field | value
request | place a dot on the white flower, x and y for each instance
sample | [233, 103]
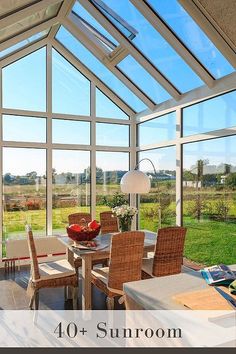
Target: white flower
[125, 211]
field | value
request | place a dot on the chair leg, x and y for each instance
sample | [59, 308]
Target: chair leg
[36, 300]
[31, 301]
[75, 298]
[110, 303]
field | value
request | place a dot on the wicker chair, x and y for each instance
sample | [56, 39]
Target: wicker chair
[125, 265]
[77, 217]
[49, 275]
[168, 255]
[109, 222]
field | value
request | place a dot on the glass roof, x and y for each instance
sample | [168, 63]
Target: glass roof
[116, 60]
[155, 47]
[192, 36]
[81, 12]
[99, 69]
[23, 43]
[143, 79]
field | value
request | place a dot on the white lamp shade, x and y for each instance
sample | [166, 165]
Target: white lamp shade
[135, 182]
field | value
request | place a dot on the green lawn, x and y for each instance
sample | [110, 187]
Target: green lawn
[208, 242]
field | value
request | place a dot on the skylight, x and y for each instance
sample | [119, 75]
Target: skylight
[143, 79]
[83, 14]
[154, 46]
[192, 36]
[99, 69]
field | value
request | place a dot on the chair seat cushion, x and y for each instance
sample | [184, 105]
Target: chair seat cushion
[57, 269]
[147, 265]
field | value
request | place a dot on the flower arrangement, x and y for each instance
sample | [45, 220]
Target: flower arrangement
[125, 214]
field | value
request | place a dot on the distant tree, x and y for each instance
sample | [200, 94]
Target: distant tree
[231, 180]
[7, 178]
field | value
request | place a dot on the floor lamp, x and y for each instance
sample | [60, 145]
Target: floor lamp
[137, 182]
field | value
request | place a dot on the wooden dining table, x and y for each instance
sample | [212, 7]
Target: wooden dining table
[103, 251]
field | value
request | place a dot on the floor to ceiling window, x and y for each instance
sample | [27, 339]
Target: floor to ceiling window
[49, 140]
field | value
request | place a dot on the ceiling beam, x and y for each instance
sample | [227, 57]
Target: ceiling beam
[173, 40]
[223, 85]
[28, 33]
[63, 12]
[147, 65]
[81, 33]
[210, 30]
[92, 77]
[26, 12]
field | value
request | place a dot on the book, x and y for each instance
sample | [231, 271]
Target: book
[218, 275]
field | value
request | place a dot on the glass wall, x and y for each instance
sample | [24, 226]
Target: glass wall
[70, 185]
[24, 191]
[157, 208]
[46, 156]
[157, 130]
[110, 167]
[209, 196]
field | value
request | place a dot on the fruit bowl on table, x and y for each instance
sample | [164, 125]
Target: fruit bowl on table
[77, 233]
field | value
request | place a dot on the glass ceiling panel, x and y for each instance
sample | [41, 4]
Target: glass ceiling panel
[143, 79]
[23, 43]
[192, 36]
[80, 11]
[155, 47]
[29, 22]
[100, 70]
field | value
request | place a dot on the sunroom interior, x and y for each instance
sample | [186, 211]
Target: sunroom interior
[91, 89]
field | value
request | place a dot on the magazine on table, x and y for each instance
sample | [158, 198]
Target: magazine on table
[218, 275]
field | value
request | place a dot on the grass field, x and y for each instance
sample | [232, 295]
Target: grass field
[207, 241]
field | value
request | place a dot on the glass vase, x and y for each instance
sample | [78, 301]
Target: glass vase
[125, 224]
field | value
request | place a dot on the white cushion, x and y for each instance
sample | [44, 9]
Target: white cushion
[57, 269]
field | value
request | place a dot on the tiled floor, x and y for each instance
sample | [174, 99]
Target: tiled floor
[13, 294]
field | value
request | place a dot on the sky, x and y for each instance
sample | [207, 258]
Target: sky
[24, 87]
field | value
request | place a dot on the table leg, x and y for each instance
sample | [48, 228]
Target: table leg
[86, 282]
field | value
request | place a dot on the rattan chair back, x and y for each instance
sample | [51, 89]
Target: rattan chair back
[168, 256]
[33, 255]
[109, 222]
[126, 258]
[78, 218]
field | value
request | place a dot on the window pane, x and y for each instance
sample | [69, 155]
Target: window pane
[100, 70]
[192, 36]
[111, 166]
[157, 130]
[213, 114]
[70, 89]
[19, 128]
[80, 11]
[105, 108]
[157, 208]
[155, 47]
[24, 191]
[70, 132]
[112, 134]
[23, 43]
[209, 183]
[143, 79]
[71, 186]
[24, 83]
